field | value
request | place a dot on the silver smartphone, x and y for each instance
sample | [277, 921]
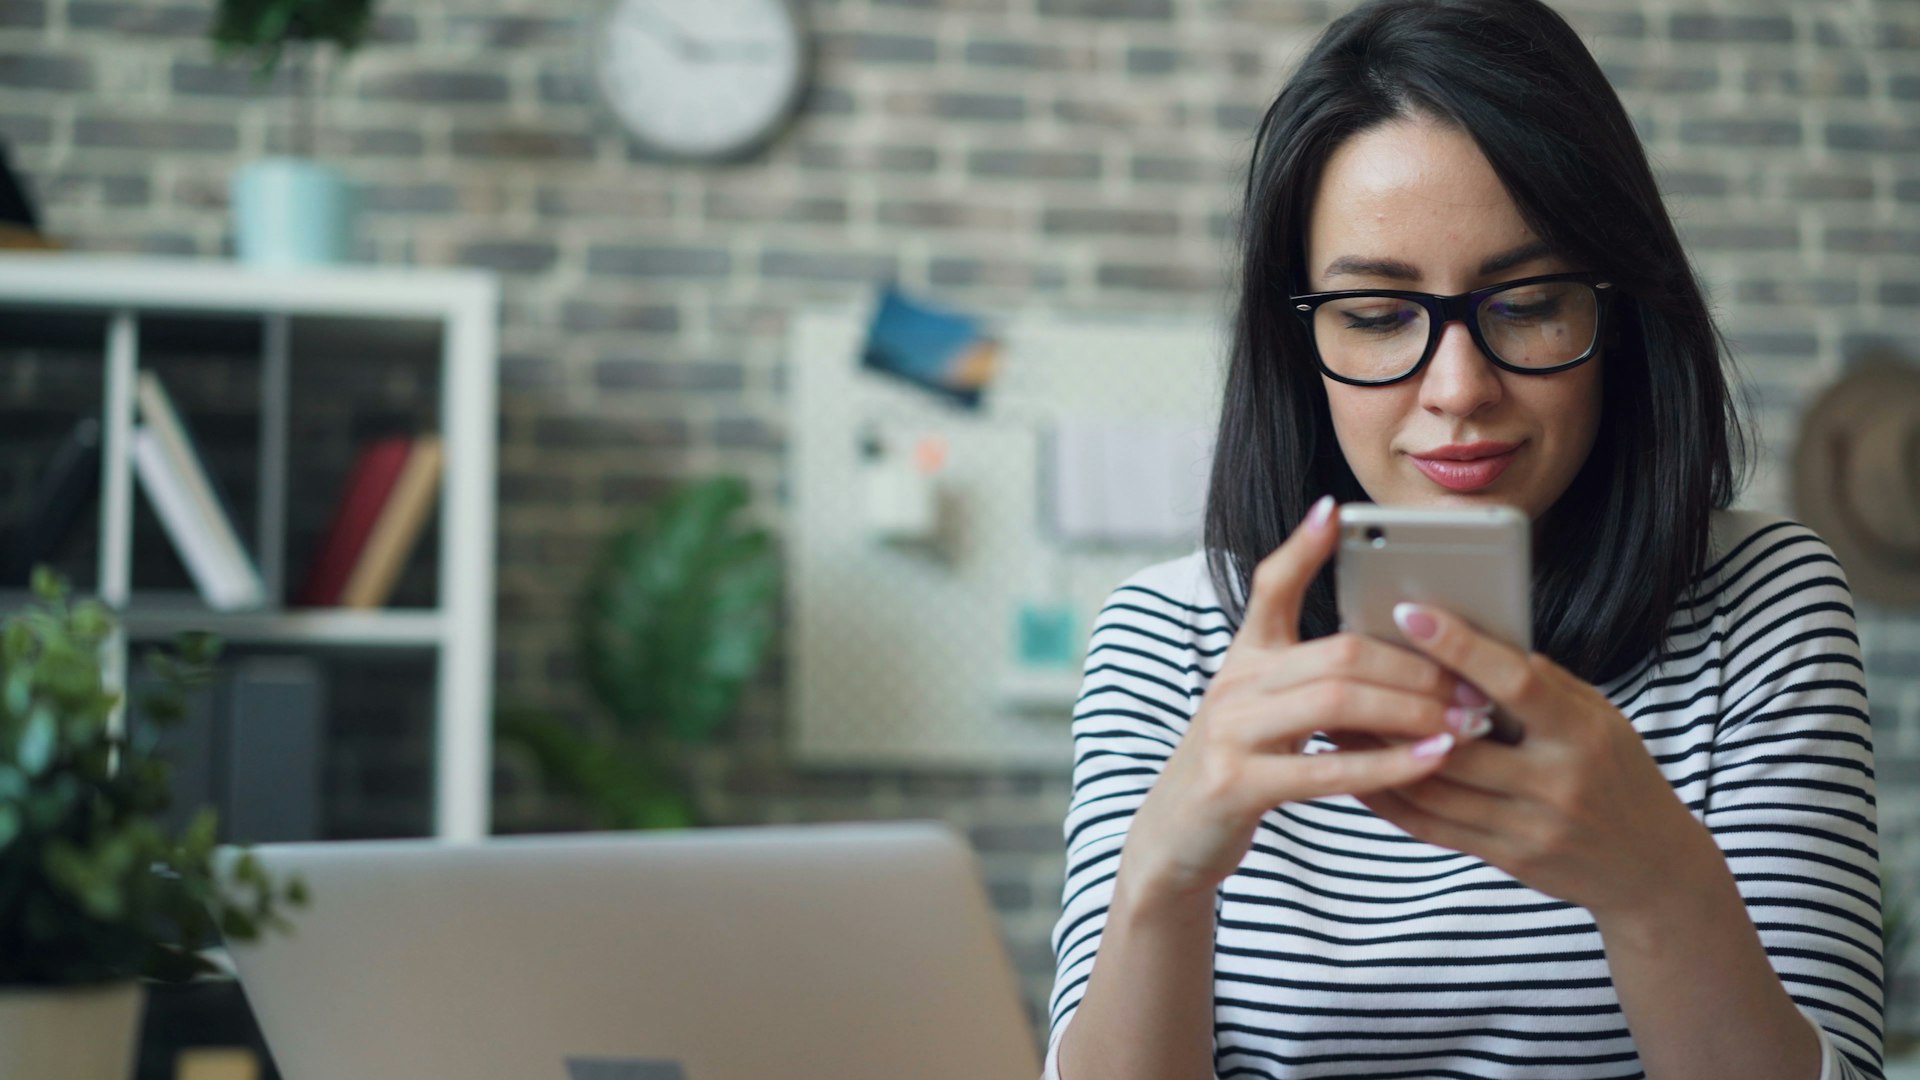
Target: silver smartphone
[1473, 562]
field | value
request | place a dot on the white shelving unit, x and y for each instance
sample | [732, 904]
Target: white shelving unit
[464, 306]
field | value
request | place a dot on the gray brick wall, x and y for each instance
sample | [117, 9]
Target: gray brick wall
[1006, 154]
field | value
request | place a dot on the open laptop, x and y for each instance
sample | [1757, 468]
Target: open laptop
[836, 952]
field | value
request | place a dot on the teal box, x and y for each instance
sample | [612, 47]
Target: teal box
[289, 212]
[1044, 636]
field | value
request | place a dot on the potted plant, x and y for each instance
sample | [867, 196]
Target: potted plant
[673, 620]
[94, 893]
[292, 211]
[1897, 931]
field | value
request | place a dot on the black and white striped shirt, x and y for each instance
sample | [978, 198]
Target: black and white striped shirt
[1345, 948]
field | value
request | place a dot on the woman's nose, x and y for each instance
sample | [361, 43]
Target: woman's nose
[1459, 380]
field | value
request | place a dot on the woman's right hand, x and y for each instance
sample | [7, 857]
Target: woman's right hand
[1241, 755]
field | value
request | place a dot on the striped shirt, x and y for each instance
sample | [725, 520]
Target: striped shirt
[1345, 948]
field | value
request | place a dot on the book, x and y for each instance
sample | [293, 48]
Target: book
[68, 485]
[187, 746]
[241, 580]
[398, 528]
[192, 537]
[274, 742]
[369, 483]
[250, 746]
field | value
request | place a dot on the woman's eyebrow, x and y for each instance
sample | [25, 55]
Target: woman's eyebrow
[1525, 253]
[1361, 265]
[1395, 270]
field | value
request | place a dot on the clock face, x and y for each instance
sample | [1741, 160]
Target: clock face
[700, 78]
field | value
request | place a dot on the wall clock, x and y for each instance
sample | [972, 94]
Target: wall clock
[701, 79]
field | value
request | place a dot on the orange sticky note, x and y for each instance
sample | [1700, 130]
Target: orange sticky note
[930, 454]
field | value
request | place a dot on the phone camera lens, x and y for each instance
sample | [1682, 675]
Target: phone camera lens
[1376, 536]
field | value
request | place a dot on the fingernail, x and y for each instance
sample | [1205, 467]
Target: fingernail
[1322, 510]
[1434, 747]
[1414, 621]
[1467, 695]
[1470, 723]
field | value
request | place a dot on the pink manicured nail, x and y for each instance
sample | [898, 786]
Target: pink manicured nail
[1434, 747]
[1322, 510]
[1470, 723]
[1467, 695]
[1416, 622]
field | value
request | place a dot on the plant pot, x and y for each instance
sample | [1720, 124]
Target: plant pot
[69, 1033]
[290, 212]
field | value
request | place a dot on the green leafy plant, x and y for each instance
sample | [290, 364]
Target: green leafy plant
[269, 30]
[92, 888]
[265, 28]
[1896, 926]
[672, 622]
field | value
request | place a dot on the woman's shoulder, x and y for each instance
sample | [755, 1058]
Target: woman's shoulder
[1754, 546]
[1178, 590]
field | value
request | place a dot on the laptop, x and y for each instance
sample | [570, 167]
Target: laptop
[792, 952]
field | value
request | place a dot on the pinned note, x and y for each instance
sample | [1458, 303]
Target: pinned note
[946, 352]
[1127, 482]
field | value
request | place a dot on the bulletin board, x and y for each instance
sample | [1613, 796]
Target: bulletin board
[903, 656]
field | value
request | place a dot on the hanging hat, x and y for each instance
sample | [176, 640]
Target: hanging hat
[1856, 477]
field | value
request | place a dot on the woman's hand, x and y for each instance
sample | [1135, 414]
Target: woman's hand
[1241, 755]
[1578, 811]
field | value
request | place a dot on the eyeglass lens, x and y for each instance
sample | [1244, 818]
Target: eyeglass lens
[1542, 325]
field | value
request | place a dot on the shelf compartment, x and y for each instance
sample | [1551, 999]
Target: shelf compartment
[165, 617]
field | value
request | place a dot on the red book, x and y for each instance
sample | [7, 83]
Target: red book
[369, 485]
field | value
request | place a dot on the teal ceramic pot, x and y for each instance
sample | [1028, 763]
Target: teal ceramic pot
[292, 212]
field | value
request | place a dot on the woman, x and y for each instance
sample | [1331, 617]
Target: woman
[1289, 852]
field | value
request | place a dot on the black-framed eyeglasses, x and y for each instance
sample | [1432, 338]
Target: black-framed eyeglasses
[1533, 326]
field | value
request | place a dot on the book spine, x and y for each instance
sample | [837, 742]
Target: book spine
[272, 740]
[69, 485]
[184, 525]
[369, 485]
[186, 746]
[156, 407]
[398, 527]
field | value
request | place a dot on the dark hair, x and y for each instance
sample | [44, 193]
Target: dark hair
[1619, 549]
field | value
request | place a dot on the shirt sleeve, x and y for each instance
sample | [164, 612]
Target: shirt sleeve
[1833, 1064]
[1790, 796]
[1138, 690]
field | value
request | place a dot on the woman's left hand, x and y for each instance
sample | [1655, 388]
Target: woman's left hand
[1578, 810]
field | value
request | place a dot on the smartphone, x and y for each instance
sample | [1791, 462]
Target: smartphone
[1472, 562]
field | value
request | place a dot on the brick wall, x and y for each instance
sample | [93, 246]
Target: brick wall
[1058, 154]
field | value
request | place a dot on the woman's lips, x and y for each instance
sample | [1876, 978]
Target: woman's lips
[1469, 475]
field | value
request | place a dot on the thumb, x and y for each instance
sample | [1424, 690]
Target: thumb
[1280, 580]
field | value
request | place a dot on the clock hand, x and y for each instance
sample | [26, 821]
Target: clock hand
[730, 50]
[694, 49]
[677, 39]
